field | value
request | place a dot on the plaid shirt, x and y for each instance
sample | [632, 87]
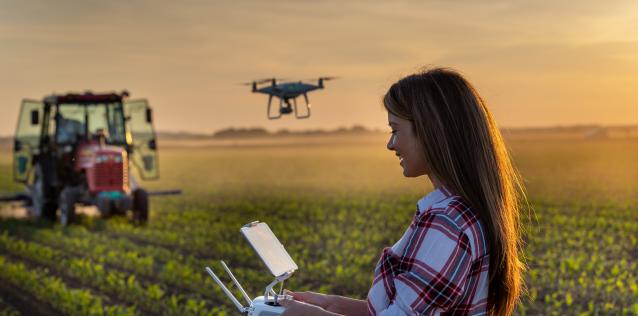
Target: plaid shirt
[439, 266]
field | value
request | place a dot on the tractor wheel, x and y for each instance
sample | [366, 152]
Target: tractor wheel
[43, 207]
[140, 206]
[67, 206]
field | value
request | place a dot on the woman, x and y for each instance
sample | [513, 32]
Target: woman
[460, 254]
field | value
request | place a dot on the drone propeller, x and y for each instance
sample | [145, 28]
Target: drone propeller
[323, 78]
[260, 81]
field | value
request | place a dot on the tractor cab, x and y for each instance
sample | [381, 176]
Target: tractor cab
[77, 148]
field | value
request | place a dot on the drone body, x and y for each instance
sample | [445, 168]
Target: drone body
[287, 93]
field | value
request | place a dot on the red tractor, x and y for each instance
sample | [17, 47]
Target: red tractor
[78, 149]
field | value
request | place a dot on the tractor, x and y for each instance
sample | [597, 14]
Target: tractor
[79, 149]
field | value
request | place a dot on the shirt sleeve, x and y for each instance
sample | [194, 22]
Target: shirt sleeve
[434, 268]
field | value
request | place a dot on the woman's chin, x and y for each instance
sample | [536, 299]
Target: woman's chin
[408, 174]
[411, 173]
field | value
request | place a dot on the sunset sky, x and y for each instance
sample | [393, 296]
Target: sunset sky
[537, 63]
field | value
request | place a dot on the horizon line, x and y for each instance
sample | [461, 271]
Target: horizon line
[374, 129]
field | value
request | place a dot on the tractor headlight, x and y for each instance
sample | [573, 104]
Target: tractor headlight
[101, 158]
[117, 159]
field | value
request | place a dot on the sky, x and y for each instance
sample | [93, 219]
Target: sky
[537, 63]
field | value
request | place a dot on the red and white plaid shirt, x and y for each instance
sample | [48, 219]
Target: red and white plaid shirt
[439, 266]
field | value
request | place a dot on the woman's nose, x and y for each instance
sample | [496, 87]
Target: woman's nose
[390, 144]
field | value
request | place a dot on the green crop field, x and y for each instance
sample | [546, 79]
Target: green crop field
[334, 205]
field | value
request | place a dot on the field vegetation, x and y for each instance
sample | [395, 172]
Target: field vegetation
[334, 204]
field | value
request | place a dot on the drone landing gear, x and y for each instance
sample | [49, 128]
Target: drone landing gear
[269, 111]
[307, 115]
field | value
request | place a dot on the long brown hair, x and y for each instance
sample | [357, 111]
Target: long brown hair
[465, 151]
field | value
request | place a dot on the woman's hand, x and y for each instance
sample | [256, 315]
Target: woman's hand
[299, 308]
[327, 302]
[311, 304]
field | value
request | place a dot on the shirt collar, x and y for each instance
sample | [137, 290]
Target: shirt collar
[437, 195]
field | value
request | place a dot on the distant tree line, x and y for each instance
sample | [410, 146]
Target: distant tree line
[255, 132]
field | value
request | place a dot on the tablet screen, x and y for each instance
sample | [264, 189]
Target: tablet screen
[269, 249]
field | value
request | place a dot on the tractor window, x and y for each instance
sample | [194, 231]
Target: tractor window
[98, 121]
[140, 124]
[27, 139]
[116, 124]
[70, 127]
[28, 132]
[102, 119]
[107, 120]
[51, 126]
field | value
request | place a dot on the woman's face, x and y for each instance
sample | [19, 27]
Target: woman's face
[406, 146]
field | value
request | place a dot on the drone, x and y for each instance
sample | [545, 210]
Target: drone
[287, 92]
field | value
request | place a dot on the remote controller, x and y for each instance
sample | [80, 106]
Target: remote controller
[278, 261]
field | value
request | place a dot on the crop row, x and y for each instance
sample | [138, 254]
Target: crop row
[123, 286]
[55, 292]
[179, 273]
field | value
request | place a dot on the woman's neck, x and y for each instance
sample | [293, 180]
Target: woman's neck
[435, 181]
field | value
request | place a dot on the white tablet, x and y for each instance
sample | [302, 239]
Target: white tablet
[269, 249]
